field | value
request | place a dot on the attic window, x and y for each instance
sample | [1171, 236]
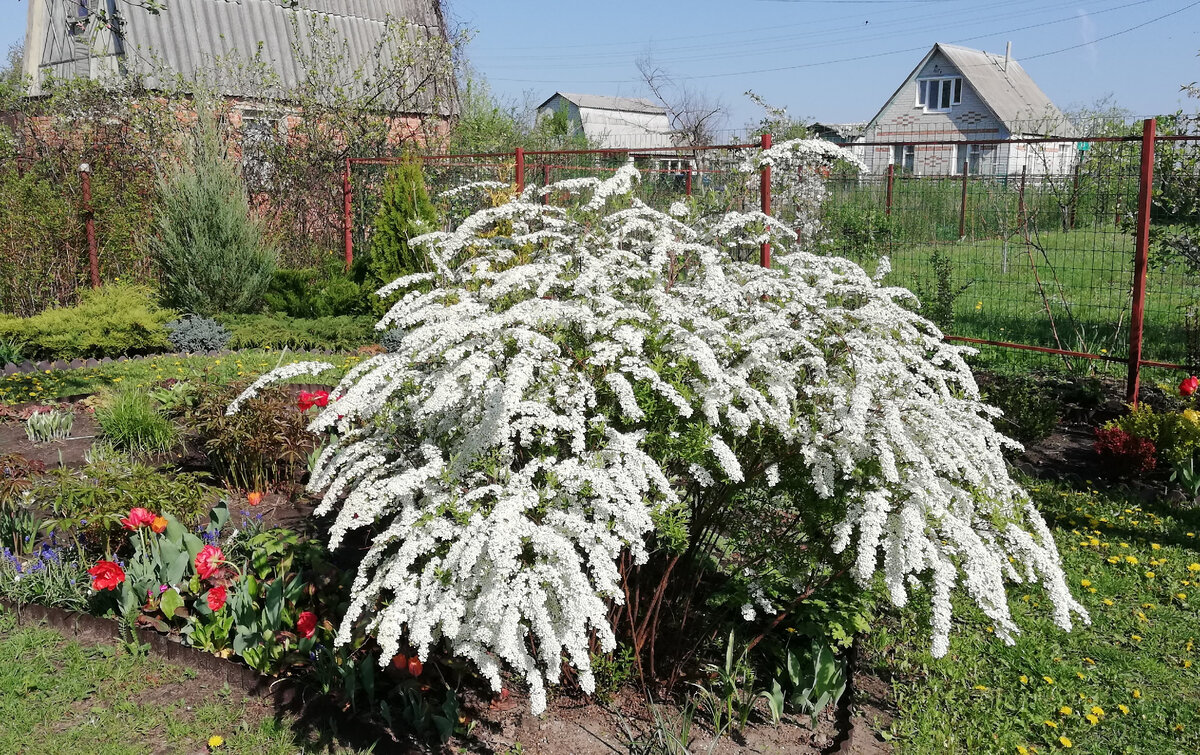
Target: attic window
[939, 95]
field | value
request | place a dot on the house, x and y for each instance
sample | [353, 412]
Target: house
[956, 94]
[612, 122]
[838, 133]
[254, 52]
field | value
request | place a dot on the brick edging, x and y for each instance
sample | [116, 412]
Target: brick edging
[27, 366]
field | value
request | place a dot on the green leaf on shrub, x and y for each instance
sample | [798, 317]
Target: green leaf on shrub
[170, 602]
[177, 566]
[193, 543]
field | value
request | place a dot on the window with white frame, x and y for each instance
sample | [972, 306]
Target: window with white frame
[977, 157]
[939, 95]
[904, 157]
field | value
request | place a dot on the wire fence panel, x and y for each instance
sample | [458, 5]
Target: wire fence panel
[1023, 243]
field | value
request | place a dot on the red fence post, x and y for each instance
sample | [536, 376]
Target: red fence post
[347, 216]
[765, 195]
[891, 177]
[520, 170]
[546, 182]
[688, 180]
[89, 224]
[962, 207]
[1141, 254]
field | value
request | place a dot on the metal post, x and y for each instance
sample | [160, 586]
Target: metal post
[546, 182]
[347, 216]
[688, 180]
[962, 207]
[1141, 254]
[1021, 203]
[891, 177]
[89, 224]
[520, 170]
[1074, 201]
[765, 195]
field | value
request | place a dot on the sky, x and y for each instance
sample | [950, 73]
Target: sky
[829, 60]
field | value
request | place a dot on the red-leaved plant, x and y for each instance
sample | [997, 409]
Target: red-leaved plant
[1128, 453]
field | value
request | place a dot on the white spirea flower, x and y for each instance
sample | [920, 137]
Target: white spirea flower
[499, 454]
[276, 375]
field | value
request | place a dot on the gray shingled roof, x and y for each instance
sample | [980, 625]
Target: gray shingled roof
[604, 102]
[1011, 94]
[190, 35]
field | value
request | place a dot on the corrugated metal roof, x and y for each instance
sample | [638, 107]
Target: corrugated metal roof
[1008, 90]
[191, 36]
[604, 102]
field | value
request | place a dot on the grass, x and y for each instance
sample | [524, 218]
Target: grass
[149, 371]
[58, 696]
[1085, 276]
[1131, 567]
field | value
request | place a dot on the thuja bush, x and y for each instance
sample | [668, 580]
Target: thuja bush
[578, 390]
[212, 250]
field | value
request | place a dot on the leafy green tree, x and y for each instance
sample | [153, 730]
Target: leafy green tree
[404, 213]
[212, 250]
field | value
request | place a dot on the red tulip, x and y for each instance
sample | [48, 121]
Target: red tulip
[415, 666]
[1189, 386]
[159, 524]
[400, 662]
[138, 517]
[306, 624]
[106, 575]
[207, 560]
[305, 402]
[254, 498]
[216, 598]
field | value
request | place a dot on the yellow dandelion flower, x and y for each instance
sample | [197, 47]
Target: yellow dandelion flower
[1024, 679]
[1149, 575]
[1137, 694]
[1022, 750]
[1178, 727]
[1048, 679]
[1092, 719]
[980, 686]
[1181, 595]
[1193, 567]
[1051, 724]
[215, 741]
[1066, 743]
[1131, 559]
[1135, 637]
[1085, 582]
[1187, 664]
[1090, 661]
[1124, 709]
[1097, 711]
[1065, 710]
[1114, 559]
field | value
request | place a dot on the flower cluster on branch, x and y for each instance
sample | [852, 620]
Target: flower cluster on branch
[565, 376]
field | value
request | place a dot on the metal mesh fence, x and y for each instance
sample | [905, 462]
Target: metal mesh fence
[1018, 242]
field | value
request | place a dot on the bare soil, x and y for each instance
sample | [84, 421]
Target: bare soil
[68, 453]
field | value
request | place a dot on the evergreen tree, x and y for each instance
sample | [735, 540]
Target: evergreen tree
[212, 250]
[404, 213]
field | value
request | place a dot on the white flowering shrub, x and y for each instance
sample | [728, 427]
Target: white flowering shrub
[567, 380]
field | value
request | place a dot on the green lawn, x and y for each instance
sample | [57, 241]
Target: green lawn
[58, 696]
[243, 365]
[1137, 570]
[1085, 278]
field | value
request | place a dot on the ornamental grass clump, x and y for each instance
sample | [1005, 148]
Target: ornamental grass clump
[579, 388]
